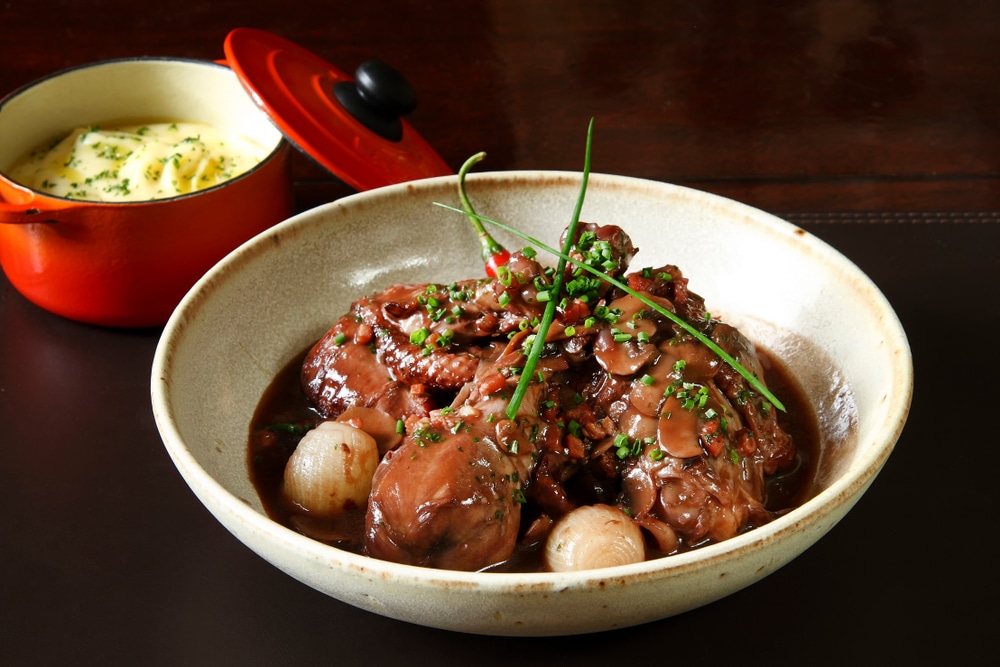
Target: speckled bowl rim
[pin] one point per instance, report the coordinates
(815, 512)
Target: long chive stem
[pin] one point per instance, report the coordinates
(538, 344)
(754, 381)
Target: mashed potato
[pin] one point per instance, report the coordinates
(137, 162)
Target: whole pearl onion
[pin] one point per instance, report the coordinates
(331, 469)
(594, 536)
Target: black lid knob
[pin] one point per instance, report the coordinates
(377, 98)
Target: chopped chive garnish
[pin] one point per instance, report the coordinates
(611, 317)
(620, 337)
(754, 381)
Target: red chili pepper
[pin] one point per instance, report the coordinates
(494, 260)
(494, 255)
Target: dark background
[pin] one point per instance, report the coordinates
(871, 123)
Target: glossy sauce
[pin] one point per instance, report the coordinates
(283, 415)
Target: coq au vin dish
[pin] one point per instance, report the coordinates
(829, 346)
(540, 418)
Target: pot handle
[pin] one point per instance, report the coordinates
(32, 212)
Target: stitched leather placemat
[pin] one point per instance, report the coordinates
(890, 217)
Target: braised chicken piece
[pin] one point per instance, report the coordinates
(625, 409)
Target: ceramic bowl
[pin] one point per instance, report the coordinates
(274, 296)
(129, 263)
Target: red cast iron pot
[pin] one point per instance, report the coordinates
(129, 264)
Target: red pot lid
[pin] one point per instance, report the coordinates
(350, 127)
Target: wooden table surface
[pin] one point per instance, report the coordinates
(874, 124)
